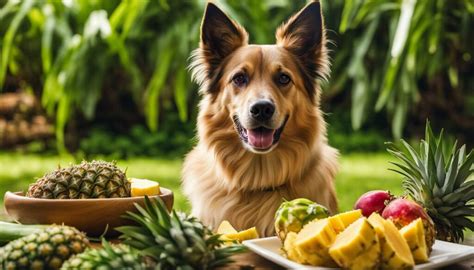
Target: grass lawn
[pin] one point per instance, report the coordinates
(358, 173)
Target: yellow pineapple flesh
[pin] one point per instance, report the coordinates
(242, 235)
(299, 255)
(357, 247)
(229, 233)
(414, 234)
(225, 228)
(313, 242)
(341, 221)
(396, 253)
(142, 187)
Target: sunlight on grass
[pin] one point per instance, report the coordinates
(358, 173)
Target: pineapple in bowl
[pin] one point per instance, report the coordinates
(91, 196)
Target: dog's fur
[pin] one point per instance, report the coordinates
(226, 178)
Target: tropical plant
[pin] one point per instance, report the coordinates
(134, 46)
(396, 54)
(391, 54)
(439, 176)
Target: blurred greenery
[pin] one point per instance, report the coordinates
(94, 62)
(358, 174)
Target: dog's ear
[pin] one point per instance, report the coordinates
(304, 36)
(220, 36)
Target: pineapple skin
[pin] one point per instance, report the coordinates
(362, 253)
(109, 257)
(96, 179)
(47, 249)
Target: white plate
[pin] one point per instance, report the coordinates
(444, 253)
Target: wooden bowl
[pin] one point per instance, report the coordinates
(88, 215)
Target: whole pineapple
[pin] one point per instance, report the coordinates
(46, 249)
(175, 241)
(96, 179)
(109, 257)
(291, 216)
(438, 177)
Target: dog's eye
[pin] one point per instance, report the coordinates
(284, 79)
(240, 79)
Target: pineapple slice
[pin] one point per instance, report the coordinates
(242, 235)
(357, 247)
(226, 228)
(313, 242)
(341, 221)
(414, 234)
(395, 250)
(142, 187)
(299, 255)
(230, 234)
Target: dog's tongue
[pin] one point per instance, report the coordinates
(260, 137)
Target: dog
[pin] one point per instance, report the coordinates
(261, 133)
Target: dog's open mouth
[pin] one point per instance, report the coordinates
(260, 138)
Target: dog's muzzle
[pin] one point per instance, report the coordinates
(260, 139)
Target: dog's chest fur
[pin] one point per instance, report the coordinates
(213, 199)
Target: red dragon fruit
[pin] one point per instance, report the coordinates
(373, 201)
(403, 211)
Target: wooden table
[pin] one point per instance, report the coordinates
(250, 260)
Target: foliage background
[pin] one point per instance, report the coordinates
(112, 78)
(93, 62)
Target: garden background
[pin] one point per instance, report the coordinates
(90, 79)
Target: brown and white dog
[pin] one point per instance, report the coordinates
(262, 136)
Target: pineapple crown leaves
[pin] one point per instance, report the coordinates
(176, 240)
(439, 177)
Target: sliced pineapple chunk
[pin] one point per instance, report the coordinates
(230, 234)
(357, 247)
(242, 235)
(226, 228)
(414, 234)
(299, 255)
(341, 221)
(313, 242)
(142, 187)
(396, 253)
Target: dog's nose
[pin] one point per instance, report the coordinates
(262, 110)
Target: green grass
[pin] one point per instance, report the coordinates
(358, 173)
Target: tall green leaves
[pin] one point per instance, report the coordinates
(398, 47)
(135, 46)
(388, 52)
(8, 39)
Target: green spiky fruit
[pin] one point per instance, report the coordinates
(96, 179)
(291, 216)
(175, 241)
(46, 249)
(438, 177)
(109, 257)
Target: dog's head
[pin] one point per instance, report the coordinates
(266, 91)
